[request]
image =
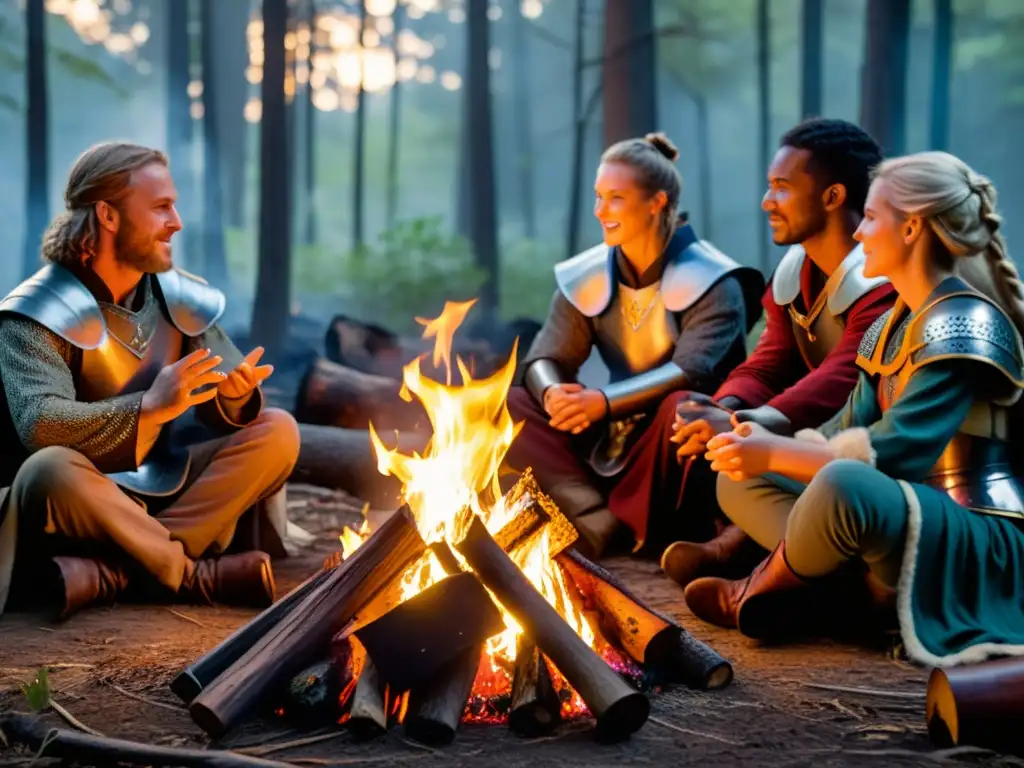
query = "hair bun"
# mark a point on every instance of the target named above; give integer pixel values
(663, 144)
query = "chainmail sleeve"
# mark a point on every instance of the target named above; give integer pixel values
(35, 365)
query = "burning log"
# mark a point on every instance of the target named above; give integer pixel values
(308, 629)
(536, 709)
(618, 709)
(655, 640)
(979, 705)
(534, 511)
(192, 680)
(337, 396)
(423, 634)
(436, 708)
(368, 715)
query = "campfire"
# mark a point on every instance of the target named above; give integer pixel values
(466, 605)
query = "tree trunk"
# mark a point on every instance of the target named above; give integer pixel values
(524, 131)
(179, 127)
(310, 233)
(763, 111)
(394, 123)
(360, 141)
(273, 281)
(629, 67)
(579, 124)
(230, 20)
(214, 258)
(480, 147)
(37, 135)
(883, 92)
(941, 56)
(812, 59)
(704, 157)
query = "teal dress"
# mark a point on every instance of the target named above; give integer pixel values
(925, 492)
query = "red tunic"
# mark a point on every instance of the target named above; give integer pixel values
(776, 374)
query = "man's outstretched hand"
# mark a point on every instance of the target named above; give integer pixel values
(245, 377)
(174, 390)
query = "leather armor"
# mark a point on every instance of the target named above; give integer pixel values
(820, 330)
(122, 352)
(976, 466)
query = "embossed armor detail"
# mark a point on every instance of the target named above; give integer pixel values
(819, 331)
(975, 467)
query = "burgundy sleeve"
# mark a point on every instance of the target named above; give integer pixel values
(774, 364)
(820, 394)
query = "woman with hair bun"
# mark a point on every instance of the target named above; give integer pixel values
(913, 485)
(665, 311)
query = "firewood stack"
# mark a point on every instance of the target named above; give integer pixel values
(345, 644)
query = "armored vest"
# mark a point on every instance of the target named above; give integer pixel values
(975, 467)
(820, 330)
(122, 351)
(636, 330)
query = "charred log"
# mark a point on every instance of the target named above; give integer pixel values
(436, 708)
(657, 641)
(618, 709)
(368, 715)
(48, 742)
(313, 694)
(411, 643)
(337, 396)
(192, 680)
(307, 631)
(535, 709)
(343, 459)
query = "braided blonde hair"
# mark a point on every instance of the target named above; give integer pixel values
(959, 207)
(101, 174)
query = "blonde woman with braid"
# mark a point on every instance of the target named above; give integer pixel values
(912, 482)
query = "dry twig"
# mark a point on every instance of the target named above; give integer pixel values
(143, 699)
(268, 748)
(186, 617)
(72, 720)
(671, 726)
(862, 691)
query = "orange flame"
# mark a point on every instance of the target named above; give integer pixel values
(472, 433)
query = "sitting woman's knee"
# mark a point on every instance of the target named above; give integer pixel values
(842, 491)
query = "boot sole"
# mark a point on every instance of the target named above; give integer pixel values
(774, 616)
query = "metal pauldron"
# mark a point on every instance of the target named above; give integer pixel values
(631, 395)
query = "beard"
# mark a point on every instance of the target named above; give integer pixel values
(146, 254)
(795, 233)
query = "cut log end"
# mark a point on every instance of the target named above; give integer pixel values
(940, 709)
(623, 718)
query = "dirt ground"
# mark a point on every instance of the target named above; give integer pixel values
(110, 669)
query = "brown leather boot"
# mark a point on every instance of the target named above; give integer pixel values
(770, 604)
(596, 531)
(245, 579)
(82, 582)
(685, 561)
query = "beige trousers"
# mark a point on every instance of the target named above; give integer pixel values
(58, 495)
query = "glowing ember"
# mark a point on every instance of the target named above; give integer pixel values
(472, 432)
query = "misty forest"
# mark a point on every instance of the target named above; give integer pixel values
(377, 158)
